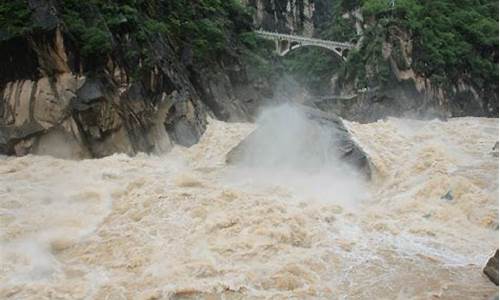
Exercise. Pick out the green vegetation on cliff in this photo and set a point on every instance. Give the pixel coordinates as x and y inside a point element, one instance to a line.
<point>452,39</point>
<point>447,41</point>
<point>315,66</point>
<point>14,18</point>
<point>205,26</point>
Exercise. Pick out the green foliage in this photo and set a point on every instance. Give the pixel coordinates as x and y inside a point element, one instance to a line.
<point>249,39</point>
<point>95,41</point>
<point>259,57</point>
<point>452,38</point>
<point>314,67</point>
<point>207,25</point>
<point>14,18</point>
<point>355,69</point>
<point>92,23</point>
<point>349,5</point>
<point>131,31</point>
<point>374,7</point>
<point>209,37</point>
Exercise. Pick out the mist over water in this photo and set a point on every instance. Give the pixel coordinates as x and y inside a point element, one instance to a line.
<point>289,149</point>
<point>289,220</point>
<point>287,139</point>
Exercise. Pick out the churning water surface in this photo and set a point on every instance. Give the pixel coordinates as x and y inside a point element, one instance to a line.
<point>187,226</point>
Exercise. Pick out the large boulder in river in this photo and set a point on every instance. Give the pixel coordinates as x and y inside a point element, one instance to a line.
<point>300,137</point>
<point>491,268</point>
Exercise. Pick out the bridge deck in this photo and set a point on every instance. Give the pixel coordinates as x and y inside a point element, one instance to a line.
<point>304,40</point>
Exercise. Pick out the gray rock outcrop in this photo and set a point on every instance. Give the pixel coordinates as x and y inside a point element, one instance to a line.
<point>321,140</point>
<point>54,100</point>
<point>491,268</point>
<point>95,114</point>
<point>358,94</point>
<point>286,16</point>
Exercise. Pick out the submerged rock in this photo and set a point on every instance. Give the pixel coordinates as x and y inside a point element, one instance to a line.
<point>491,268</point>
<point>448,196</point>
<point>494,150</point>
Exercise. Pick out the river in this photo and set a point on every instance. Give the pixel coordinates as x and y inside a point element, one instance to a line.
<point>185,225</point>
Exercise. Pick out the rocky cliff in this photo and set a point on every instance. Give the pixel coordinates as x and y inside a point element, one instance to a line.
<point>106,77</point>
<point>92,114</point>
<point>285,16</point>
<point>142,92</point>
<point>386,78</point>
<point>402,66</point>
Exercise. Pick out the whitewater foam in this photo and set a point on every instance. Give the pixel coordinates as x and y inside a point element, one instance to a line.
<point>185,225</point>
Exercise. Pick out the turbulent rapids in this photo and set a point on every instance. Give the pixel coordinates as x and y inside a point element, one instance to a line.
<point>187,226</point>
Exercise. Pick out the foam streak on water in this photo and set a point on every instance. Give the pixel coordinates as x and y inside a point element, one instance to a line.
<point>186,226</point>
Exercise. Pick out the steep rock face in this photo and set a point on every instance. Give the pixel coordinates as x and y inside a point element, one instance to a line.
<point>56,101</point>
<point>285,16</point>
<point>381,79</point>
<point>98,113</point>
<point>406,92</point>
<point>218,86</point>
<point>491,268</point>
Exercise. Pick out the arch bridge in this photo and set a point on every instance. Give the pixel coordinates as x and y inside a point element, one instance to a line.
<point>287,42</point>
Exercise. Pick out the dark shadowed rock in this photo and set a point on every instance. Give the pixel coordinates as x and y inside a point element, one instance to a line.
<point>494,150</point>
<point>491,268</point>
<point>448,196</point>
<point>346,148</point>
<point>92,108</point>
<point>91,90</point>
<point>44,14</point>
<point>100,105</point>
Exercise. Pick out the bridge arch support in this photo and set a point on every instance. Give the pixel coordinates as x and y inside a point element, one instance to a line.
<point>285,48</point>
<point>285,43</point>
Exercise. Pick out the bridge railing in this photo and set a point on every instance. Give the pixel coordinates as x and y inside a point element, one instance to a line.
<point>310,41</point>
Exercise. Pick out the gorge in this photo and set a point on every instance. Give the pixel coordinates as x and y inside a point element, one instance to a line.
<point>137,76</point>
<point>166,150</point>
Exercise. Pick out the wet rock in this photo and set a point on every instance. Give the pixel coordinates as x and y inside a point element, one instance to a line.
<point>448,196</point>
<point>340,144</point>
<point>44,15</point>
<point>494,150</point>
<point>218,90</point>
<point>91,108</point>
<point>114,104</point>
<point>18,139</point>
<point>90,91</point>
<point>290,16</point>
<point>410,93</point>
<point>491,268</point>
